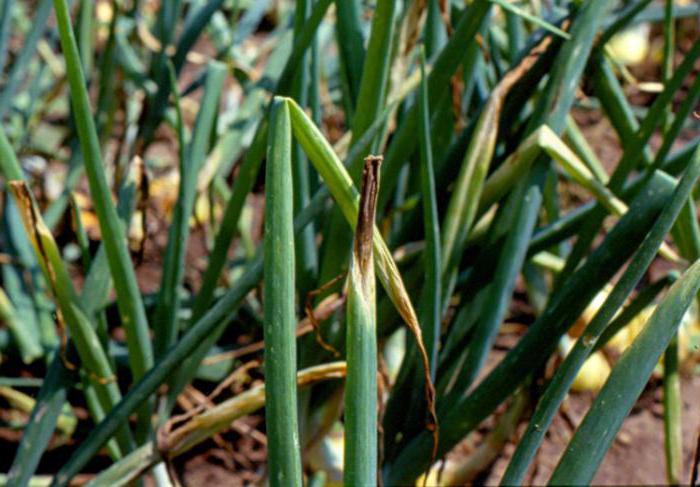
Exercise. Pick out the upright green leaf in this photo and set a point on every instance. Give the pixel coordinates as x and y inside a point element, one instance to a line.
<point>129,300</point>
<point>375,72</point>
<point>165,317</point>
<point>431,300</point>
<point>673,407</point>
<point>306,253</point>
<point>6,11</point>
<point>558,96</point>
<point>501,288</point>
<point>351,46</point>
<point>284,462</point>
<point>242,185</point>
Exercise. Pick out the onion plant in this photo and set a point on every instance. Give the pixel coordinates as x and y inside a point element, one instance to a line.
<point>361,388</point>
<point>235,148</point>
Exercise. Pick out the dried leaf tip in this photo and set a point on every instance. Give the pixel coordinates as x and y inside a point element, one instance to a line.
<point>365,218</point>
<point>34,226</point>
<point>28,212</point>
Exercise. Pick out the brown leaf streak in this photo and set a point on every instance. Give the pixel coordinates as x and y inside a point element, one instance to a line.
<point>142,182</point>
<point>513,76</point>
<point>444,7</point>
<point>364,233</point>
